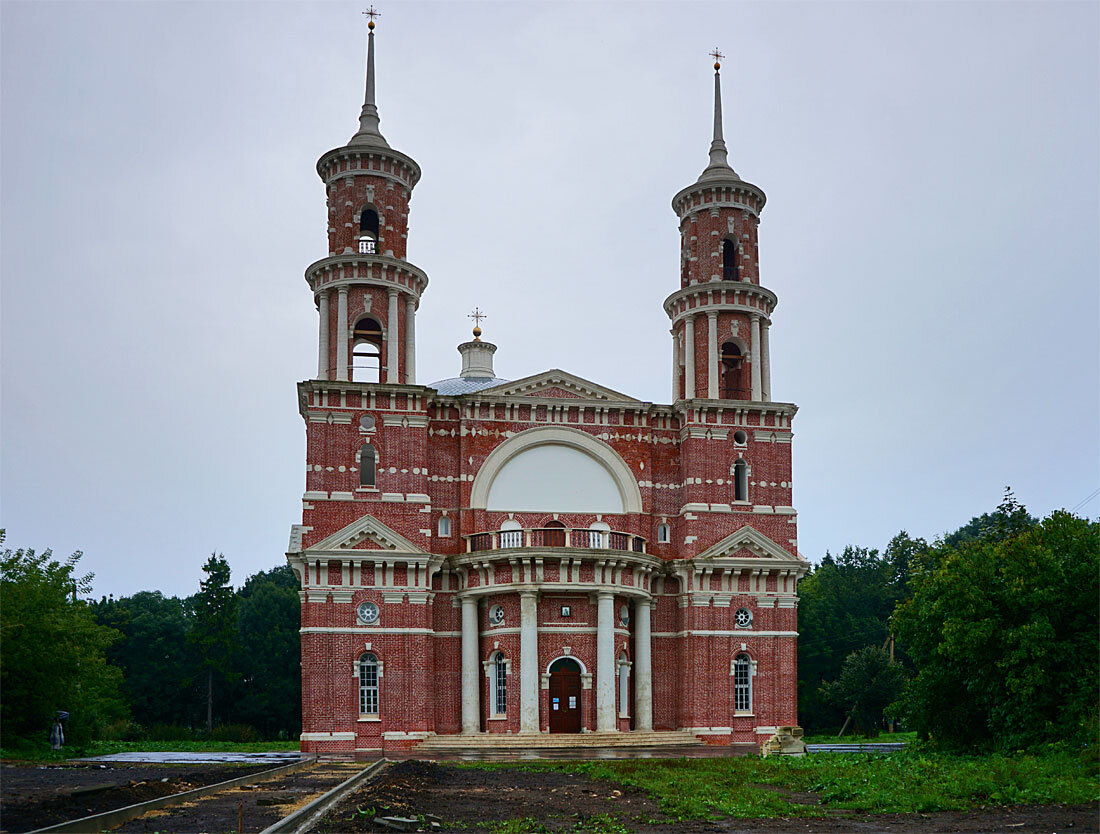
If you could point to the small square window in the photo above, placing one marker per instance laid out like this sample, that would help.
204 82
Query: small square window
566 611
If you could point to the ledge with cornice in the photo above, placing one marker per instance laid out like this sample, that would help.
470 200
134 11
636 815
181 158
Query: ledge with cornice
729 193
368 161
477 571
350 269
733 296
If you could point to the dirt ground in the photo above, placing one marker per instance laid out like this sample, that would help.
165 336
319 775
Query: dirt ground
34 796
472 799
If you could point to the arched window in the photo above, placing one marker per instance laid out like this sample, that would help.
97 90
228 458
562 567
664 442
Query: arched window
624 686
598 534
742 683
498 683
730 271
368 466
732 373
444 527
368 684
554 534
511 534
368 231
366 355
740 481
664 534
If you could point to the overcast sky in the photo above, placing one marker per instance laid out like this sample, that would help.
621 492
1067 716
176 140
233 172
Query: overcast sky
931 232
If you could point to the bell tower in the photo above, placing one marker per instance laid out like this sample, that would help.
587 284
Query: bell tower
366 291
721 314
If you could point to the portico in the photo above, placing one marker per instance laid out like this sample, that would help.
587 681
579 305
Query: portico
559 615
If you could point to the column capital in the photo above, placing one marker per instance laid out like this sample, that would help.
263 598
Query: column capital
343 290
528 594
712 314
392 293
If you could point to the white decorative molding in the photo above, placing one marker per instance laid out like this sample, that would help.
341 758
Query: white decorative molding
748 538
367 527
564 436
584 389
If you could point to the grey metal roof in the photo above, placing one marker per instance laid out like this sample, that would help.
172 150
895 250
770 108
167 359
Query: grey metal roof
465 385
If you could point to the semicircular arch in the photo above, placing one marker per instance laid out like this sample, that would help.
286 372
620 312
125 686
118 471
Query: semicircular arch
571 438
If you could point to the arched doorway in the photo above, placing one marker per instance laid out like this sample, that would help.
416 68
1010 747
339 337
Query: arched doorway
565 696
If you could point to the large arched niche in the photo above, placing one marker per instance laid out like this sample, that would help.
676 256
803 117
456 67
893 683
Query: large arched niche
555 469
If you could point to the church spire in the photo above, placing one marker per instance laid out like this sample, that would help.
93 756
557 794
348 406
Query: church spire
719 166
368 133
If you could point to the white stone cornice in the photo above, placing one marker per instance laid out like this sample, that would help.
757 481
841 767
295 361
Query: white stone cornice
703 294
348 269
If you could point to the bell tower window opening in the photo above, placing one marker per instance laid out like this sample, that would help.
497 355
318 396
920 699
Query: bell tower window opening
368 466
732 373
366 355
740 481
730 271
368 232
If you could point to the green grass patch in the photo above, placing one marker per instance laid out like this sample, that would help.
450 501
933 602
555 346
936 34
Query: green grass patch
904 782
881 738
43 753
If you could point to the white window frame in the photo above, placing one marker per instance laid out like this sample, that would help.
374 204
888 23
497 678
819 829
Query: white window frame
624 687
498 684
742 683
664 533
369 691
511 534
444 527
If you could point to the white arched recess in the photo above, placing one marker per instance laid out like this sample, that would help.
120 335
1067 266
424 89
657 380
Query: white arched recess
574 439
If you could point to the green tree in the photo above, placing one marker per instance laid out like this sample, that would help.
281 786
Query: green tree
52 650
213 635
869 682
269 694
152 654
1008 519
844 605
1002 629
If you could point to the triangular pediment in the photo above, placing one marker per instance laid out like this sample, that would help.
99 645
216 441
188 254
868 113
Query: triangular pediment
558 384
366 533
751 540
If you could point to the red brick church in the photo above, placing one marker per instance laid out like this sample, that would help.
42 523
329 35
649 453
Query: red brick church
487 560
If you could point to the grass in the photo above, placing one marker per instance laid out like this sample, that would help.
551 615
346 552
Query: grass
849 738
43 753
905 782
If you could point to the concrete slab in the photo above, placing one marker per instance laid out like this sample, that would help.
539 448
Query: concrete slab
161 757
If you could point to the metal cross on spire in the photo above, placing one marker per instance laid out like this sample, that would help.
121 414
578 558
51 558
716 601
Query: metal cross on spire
716 55
477 316
372 14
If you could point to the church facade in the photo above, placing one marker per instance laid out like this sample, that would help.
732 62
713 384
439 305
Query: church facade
484 556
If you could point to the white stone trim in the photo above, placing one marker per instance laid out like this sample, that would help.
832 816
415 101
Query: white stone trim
340 736
542 435
740 632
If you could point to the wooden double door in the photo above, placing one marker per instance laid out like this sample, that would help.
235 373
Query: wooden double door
565 696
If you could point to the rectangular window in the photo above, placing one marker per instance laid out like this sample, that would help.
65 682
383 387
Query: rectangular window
368 687
501 705
742 686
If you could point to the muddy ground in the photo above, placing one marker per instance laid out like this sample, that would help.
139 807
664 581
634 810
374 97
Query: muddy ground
34 796
471 800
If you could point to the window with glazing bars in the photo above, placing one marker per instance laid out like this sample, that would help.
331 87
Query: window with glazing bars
501 673
368 685
742 683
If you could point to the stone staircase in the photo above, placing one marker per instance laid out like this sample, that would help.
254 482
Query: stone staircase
536 742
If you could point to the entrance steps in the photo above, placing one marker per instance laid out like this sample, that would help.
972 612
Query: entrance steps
502 742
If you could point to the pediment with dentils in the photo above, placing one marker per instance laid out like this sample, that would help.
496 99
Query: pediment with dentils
557 384
757 545
366 533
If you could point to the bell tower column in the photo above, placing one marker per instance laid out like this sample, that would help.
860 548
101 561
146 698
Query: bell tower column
689 358
393 342
766 361
322 340
410 340
342 333
756 360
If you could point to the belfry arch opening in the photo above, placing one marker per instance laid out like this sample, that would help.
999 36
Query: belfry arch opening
730 270
368 231
733 373
366 353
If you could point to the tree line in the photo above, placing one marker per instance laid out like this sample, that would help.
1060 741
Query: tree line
221 663
984 639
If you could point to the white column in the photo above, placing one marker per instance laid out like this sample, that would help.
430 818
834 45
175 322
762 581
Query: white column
766 365
643 667
605 662
712 355
675 367
528 662
342 333
689 358
471 686
393 341
756 360
322 340
410 341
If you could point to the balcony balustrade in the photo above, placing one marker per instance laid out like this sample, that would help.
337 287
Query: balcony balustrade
555 537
